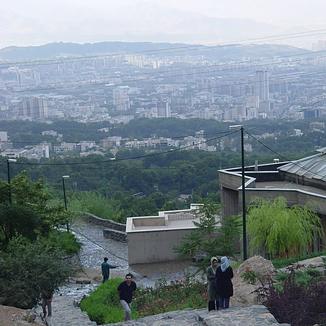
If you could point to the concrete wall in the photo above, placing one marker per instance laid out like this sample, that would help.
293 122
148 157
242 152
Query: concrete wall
154 246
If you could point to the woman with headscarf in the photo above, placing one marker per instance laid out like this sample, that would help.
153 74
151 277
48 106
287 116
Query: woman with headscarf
224 286
211 285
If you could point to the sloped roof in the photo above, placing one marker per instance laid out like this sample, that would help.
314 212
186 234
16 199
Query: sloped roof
312 167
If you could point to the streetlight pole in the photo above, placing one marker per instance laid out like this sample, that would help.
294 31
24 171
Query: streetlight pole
243 183
9 178
64 196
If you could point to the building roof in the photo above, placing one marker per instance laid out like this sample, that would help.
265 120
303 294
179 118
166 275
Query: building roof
312 167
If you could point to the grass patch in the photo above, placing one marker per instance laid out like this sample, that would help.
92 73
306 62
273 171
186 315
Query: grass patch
103 305
283 262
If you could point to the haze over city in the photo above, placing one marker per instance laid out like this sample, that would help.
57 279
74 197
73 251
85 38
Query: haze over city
208 22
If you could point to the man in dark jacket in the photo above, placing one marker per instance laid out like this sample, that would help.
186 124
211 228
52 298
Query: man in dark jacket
126 290
224 286
106 269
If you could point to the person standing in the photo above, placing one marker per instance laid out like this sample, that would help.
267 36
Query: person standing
47 296
126 290
213 303
224 286
106 269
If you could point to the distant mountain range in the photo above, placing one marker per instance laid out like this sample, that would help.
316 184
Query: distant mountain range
60 50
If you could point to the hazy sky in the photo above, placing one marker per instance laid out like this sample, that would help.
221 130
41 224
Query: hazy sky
29 22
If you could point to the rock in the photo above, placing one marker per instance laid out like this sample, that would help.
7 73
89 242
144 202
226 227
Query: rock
317 263
82 281
244 293
245 316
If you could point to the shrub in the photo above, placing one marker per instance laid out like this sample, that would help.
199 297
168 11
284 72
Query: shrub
249 277
95 203
166 298
63 241
298 304
210 238
28 268
103 305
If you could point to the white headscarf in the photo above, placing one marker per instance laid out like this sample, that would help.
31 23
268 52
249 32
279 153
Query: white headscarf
224 263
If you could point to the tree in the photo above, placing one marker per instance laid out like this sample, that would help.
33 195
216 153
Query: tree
279 231
32 211
28 268
212 237
19 220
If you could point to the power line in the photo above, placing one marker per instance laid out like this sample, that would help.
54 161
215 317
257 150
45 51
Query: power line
234 43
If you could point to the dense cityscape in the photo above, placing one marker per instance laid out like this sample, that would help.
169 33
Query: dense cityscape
182 83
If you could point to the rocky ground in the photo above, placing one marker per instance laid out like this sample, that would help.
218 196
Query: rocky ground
11 316
245 316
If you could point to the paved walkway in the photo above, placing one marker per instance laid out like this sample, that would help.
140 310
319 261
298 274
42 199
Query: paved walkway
64 313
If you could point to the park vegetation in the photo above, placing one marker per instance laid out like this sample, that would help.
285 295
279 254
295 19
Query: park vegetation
214 236
34 252
103 305
277 231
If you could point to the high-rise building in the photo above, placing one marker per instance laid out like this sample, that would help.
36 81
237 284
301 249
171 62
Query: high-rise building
262 85
163 110
35 108
121 99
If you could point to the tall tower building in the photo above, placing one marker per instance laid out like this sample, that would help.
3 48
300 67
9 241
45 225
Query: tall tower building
262 85
163 110
121 99
35 108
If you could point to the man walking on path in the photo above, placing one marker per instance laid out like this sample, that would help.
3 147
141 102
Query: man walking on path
106 269
126 290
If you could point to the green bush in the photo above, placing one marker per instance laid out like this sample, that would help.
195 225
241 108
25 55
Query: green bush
103 305
64 241
28 268
166 298
95 203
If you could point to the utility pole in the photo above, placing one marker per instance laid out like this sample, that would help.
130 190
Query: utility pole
243 191
9 178
65 197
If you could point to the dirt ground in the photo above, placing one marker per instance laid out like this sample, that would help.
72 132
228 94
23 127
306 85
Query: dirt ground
11 316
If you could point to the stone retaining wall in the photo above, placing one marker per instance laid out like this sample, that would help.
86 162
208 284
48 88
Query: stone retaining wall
91 218
115 235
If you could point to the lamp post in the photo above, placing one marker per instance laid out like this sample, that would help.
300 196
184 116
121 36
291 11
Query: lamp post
9 160
243 181
64 195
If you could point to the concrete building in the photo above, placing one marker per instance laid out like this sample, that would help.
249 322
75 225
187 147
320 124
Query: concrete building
262 85
153 238
301 182
35 108
121 99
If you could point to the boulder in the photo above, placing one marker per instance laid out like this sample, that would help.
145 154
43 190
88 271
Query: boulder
246 294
